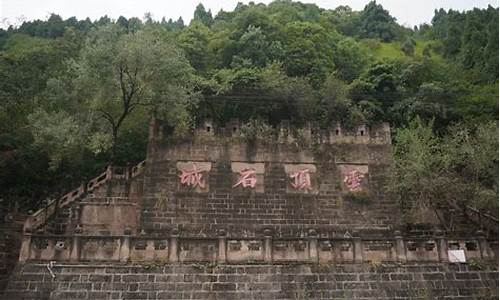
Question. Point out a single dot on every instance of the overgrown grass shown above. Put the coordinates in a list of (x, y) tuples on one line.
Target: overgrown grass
[(383, 51)]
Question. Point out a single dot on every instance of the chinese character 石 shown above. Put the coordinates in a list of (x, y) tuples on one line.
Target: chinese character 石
[(301, 180), (247, 178), (193, 177), (353, 180)]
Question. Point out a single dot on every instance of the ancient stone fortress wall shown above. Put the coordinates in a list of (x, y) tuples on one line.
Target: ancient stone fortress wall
[(225, 217), (221, 180)]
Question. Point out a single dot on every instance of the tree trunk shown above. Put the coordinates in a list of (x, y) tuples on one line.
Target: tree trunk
[(114, 145)]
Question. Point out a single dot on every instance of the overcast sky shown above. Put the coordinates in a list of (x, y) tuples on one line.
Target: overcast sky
[(407, 12)]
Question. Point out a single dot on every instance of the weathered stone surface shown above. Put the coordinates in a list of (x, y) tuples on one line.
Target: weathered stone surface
[(184, 218), (206, 281)]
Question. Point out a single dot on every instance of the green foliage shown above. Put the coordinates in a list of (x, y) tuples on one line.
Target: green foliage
[(461, 167), (419, 179), (376, 22), (58, 134), (470, 38), (408, 47), (285, 97), (203, 16), (476, 265), (256, 129), (308, 51), (194, 41), (472, 153), (118, 73), (337, 107), (350, 59)]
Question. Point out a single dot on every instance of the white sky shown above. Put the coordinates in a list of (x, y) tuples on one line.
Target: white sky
[(12, 12)]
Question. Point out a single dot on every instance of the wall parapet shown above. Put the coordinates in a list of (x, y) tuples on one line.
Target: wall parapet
[(284, 133), (263, 249)]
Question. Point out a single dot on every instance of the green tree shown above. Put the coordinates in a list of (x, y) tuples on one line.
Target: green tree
[(308, 48), (419, 179), (491, 48), (376, 22), (344, 19), (408, 47), (335, 106), (472, 154), (253, 45), (118, 73), (194, 40), (349, 59), (203, 16), (432, 101)]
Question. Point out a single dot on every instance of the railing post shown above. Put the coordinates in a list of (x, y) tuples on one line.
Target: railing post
[(483, 245), (313, 246), (268, 246), (76, 245), (221, 257), (25, 252), (125, 246), (442, 244), (173, 253), (109, 172), (358, 248), (28, 224), (400, 247)]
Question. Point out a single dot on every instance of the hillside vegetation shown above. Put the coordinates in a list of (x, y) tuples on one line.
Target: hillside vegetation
[(78, 94)]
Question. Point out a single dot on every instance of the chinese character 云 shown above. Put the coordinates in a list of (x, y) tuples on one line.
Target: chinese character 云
[(247, 178), (301, 180), (193, 177), (353, 180)]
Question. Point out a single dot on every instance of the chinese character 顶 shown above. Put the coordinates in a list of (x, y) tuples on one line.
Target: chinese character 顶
[(353, 180), (247, 178), (301, 180), (193, 177)]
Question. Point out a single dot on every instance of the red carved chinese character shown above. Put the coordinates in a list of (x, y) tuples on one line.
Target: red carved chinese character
[(192, 177), (247, 178), (302, 180), (353, 180)]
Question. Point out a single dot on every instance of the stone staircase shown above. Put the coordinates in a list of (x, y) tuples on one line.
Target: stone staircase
[(54, 216)]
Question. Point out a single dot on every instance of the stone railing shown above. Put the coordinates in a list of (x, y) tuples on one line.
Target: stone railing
[(482, 219), (40, 217), (265, 249)]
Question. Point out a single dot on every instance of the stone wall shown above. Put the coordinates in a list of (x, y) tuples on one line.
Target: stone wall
[(10, 243), (299, 281), (108, 209), (273, 203)]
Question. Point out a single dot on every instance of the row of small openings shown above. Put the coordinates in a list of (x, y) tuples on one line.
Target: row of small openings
[(470, 246), (361, 132), (337, 132), (209, 128)]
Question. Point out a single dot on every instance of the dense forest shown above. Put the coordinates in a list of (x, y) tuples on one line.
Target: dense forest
[(76, 95)]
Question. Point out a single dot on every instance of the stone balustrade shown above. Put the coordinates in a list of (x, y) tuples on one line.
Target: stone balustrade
[(264, 249)]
